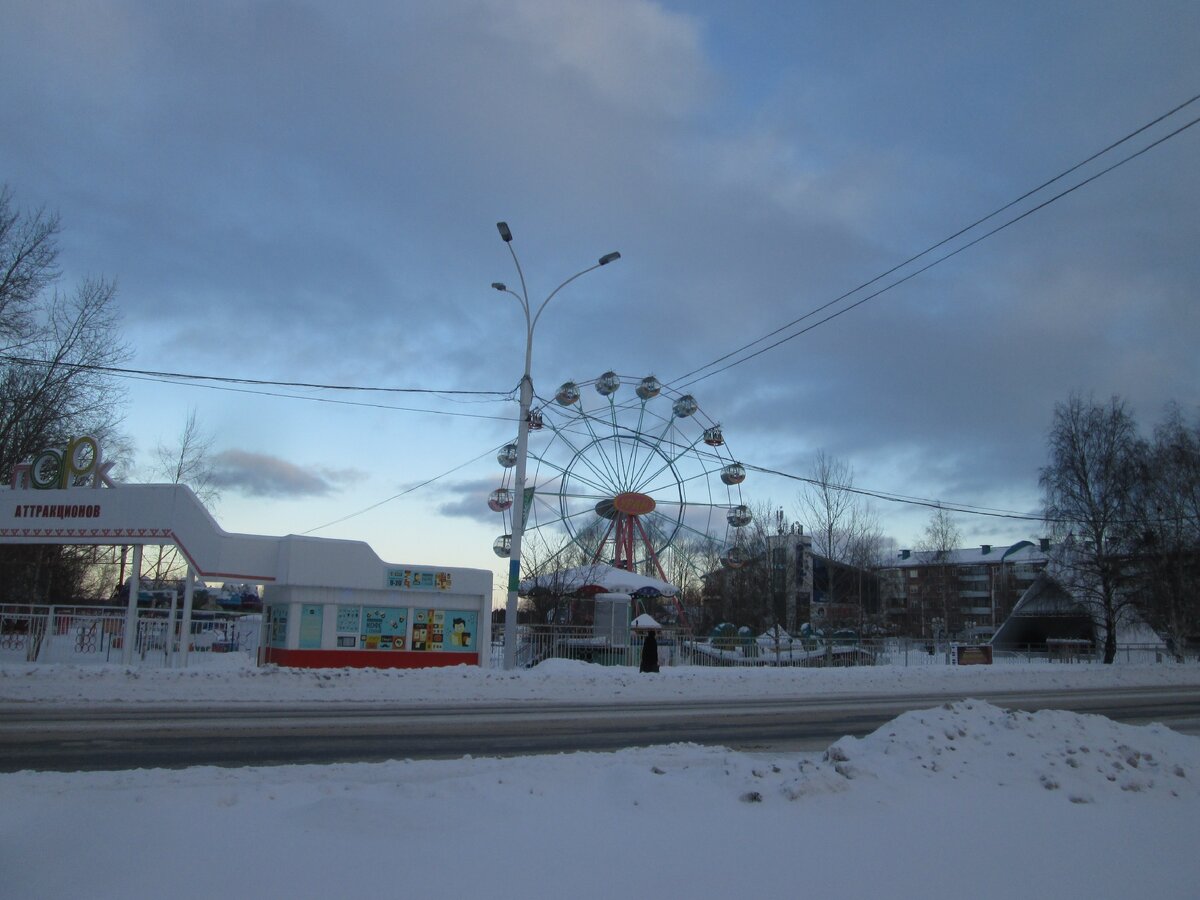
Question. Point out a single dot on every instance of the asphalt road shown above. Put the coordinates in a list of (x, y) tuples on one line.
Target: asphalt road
[(128, 737)]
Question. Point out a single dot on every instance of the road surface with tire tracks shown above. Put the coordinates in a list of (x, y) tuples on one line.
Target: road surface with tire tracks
[(112, 737)]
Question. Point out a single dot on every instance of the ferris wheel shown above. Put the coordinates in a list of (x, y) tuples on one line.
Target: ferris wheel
[(627, 471)]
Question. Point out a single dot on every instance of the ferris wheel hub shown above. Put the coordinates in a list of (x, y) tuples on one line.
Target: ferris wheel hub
[(633, 504)]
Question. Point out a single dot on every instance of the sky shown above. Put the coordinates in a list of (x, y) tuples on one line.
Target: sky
[(288, 191), (961, 796)]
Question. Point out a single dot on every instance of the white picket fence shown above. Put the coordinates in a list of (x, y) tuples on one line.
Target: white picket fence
[(93, 634)]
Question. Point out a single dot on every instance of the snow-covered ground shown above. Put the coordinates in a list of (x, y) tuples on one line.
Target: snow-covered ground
[(962, 799), (232, 678)]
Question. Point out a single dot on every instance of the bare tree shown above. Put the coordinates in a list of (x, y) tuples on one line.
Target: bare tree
[(844, 531), (546, 562), (940, 584), (28, 265), (828, 508), (1089, 487), (59, 385), (1168, 506), (686, 562), (864, 552), (188, 462), (58, 350)]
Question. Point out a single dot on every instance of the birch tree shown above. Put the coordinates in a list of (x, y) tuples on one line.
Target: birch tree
[(1089, 488)]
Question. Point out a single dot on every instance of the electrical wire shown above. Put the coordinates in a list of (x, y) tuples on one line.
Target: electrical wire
[(183, 376), (675, 382), (951, 506), (930, 503), (405, 492), (331, 400)]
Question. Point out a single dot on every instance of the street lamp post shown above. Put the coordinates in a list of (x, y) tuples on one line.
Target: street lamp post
[(518, 528)]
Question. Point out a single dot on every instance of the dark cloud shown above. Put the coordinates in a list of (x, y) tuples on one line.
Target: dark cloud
[(311, 196), (260, 475)]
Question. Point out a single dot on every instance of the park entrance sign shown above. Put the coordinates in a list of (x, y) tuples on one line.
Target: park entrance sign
[(80, 463)]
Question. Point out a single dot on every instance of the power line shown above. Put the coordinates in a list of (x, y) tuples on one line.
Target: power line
[(406, 491), (335, 402), (950, 506), (200, 381), (183, 376), (942, 243)]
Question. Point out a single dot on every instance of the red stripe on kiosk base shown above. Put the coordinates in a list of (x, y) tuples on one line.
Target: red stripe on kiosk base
[(366, 659)]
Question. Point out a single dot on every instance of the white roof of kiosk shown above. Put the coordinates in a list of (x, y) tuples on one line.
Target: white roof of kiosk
[(173, 514)]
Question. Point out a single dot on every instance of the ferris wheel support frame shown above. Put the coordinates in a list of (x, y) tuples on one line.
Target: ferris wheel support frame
[(624, 525), (626, 528)]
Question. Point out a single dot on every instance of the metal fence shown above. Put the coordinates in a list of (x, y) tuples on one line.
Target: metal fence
[(677, 648), (1126, 653), (94, 634)]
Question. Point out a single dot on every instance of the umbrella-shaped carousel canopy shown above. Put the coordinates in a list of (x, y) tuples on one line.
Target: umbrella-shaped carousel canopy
[(595, 579)]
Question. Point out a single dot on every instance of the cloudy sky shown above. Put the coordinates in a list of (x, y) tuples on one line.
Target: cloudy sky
[(307, 192)]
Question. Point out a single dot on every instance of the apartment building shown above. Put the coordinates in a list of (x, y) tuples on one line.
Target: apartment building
[(962, 594)]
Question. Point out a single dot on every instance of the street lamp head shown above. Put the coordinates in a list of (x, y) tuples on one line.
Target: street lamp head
[(500, 285), (609, 257), (505, 234)]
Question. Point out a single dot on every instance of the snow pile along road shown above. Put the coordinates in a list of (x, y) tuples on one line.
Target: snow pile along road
[(1085, 758)]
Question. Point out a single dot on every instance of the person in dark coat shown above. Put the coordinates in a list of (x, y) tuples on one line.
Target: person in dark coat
[(650, 653)]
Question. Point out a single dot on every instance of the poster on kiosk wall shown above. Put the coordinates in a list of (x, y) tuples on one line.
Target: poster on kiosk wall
[(428, 629), (445, 629), (462, 629), (384, 627)]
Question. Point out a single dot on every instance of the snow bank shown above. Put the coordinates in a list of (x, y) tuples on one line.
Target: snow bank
[(229, 678), (1086, 758)]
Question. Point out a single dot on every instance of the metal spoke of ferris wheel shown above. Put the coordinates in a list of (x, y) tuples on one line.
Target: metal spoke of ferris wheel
[(704, 474), (636, 444), (609, 465), (603, 478), (560, 517), (639, 443), (602, 483), (688, 558), (618, 454), (654, 450), (691, 451), (587, 422), (565, 434), (626, 441), (668, 463)]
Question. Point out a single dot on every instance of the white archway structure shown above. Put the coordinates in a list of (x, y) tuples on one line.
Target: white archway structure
[(328, 602)]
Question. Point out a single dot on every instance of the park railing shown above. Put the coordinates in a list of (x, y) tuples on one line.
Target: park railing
[(96, 634), (537, 644)]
